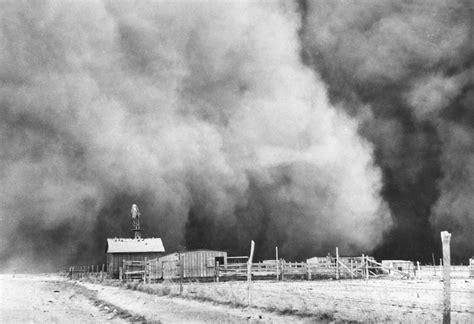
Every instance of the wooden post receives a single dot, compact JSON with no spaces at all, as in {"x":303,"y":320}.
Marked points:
{"x":282,"y":269}
{"x":418,"y":269}
{"x":217,"y":271}
{"x":441,"y":267}
{"x":337,"y":263}
{"x":362,"y":266}
{"x":434,"y":264}
{"x":276,"y":262}
{"x":352,"y":270}
{"x":249,"y":273}
{"x":446,"y":239}
{"x":102,"y":273}
{"x":181,"y":273}
{"x":123,"y":270}
{"x":366,"y":267}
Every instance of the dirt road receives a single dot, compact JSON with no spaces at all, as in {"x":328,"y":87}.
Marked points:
{"x":53,"y":299}
{"x":44,"y":299}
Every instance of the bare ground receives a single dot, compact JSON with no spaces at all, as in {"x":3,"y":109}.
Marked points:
{"x":48,"y":299}
{"x":379,"y":300}
{"x":52,"y":299}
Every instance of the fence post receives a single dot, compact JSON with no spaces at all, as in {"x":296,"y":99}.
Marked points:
{"x":471,"y":268}
{"x":282,"y":269}
{"x":363,"y":266}
{"x":145,"y":270}
{"x":181,"y":273}
{"x":352,"y":270}
{"x":337,"y":263}
{"x":276,"y":262}
{"x":441,"y":268}
{"x":446,"y":239}
{"x":124,"y":270}
{"x":249,"y":273}
{"x":216,"y":274}
{"x":366,"y":267}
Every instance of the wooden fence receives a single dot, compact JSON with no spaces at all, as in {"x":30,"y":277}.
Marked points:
{"x":337,"y":268}
{"x":322,"y":268}
{"x":78,"y":272}
{"x":471,"y":268}
{"x":133,"y":270}
{"x":457,"y":271}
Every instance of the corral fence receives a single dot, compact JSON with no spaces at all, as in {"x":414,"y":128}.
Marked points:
{"x":471,"y":268}
{"x":457,"y":271}
{"x":82,"y":271}
{"x":364,"y":267}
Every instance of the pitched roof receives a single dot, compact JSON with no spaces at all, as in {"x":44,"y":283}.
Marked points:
{"x":127,"y":245}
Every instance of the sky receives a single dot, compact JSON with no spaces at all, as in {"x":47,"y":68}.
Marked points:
{"x":302,"y":125}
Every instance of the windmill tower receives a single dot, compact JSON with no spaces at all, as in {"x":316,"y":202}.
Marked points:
{"x":136,"y":222}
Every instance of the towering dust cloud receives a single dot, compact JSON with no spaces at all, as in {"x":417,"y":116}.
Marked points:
{"x":404,"y":69}
{"x":202,"y":113}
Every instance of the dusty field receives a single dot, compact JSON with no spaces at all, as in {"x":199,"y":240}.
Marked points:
{"x":376,"y":300}
{"x":53,"y":299}
{"x":345,"y":300}
{"x":43,"y":299}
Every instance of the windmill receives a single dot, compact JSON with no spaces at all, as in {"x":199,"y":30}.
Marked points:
{"x":136,"y":222}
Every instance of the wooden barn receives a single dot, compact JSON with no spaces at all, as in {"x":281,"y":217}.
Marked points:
{"x":137,"y":249}
{"x":196,"y":264}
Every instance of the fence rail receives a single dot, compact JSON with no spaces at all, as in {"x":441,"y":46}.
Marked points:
{"x":78,"y":272}
{"x":356,"y":268}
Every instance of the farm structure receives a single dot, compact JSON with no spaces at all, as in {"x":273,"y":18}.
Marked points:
{"x":188,"y":264}
{"x":126,"y":251}
{"x":400,"y":265}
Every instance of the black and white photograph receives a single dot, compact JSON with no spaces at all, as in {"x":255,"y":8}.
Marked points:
{"x":236,"y":161}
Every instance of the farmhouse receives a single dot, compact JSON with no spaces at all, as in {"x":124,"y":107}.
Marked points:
{"x":196,"y":264}
{"x":137,"y":249}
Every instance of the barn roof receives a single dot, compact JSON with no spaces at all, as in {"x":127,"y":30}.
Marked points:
{"x":127,"y":245}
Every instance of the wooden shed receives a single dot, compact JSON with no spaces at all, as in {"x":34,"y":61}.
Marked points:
{"x":400,"y":265}
{"x":120,"y":249}
{"x":196,"y":264}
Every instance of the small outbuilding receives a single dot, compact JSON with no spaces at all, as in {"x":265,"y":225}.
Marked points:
{"x":400,"y":265}
{"x":127,"y":249}
{"x":196,"y":264}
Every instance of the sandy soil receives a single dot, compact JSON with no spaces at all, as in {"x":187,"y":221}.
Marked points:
{"x":167,"y":309}
{"x":53,"y":299}
{"x":358,"y":300}
{"x":45,"y":299}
